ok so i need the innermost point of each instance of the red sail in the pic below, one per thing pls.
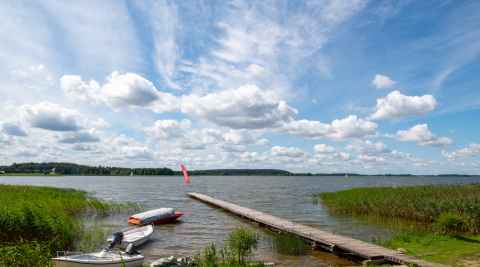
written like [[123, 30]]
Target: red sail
[[186, 178]]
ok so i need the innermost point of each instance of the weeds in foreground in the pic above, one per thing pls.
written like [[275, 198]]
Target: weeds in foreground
[[448, 209], [35, 222], [240, 245], [289, 244]]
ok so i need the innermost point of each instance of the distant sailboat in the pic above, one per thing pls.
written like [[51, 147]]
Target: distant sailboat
[[131, 173]]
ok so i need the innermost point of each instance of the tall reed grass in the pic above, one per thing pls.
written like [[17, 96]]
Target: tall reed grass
[[35, 222], [240, 244], [446, 208]]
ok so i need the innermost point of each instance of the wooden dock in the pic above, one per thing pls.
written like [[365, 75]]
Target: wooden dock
[[335, 243]]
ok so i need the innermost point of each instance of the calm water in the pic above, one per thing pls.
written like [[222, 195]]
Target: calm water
[[287, 197]]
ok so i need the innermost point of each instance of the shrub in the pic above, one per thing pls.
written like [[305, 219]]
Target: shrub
[[419, 204], [242, 242], [239, 245], [450, 224], [289, 244]]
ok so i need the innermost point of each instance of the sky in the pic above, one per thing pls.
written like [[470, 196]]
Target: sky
[[307, 86]]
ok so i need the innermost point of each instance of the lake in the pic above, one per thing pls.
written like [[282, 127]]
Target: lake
[[287, 197]]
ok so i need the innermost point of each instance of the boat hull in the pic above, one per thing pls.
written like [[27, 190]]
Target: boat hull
[[103, 259], [58, 263], [64, 263], [165, 220], [136, 236]]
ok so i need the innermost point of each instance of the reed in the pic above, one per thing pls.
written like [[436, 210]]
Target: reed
[[35, 222], [240, 244], [445, 208], [289, 244]]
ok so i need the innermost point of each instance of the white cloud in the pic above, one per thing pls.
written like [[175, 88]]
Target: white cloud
[[368, 147], [256, 43], [422, 136], [163, 26], [74, 86], [247, 107], [472, 150], [79, 137], [307, 128], [396, 105], [121, 91], [382, 81], [49, 116], [166, 129], [351, 127], [371, 159], [292, 152], [13, 129], [323, 149], [339, 129]]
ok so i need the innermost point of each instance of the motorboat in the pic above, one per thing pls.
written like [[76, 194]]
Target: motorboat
[[157, 216], [103, 258], [108, 257], [136, 236]]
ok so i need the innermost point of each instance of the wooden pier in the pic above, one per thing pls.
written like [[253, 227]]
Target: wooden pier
[[335, 243]]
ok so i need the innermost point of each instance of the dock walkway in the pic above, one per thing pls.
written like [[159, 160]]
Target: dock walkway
[[326, 240]]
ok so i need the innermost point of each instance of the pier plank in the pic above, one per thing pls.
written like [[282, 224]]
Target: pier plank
[[349, 245]]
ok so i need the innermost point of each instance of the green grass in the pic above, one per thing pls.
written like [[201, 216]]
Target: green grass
[[445, 249], [29, 174], [419, 204], [35, 222], [289, 244], [240, 244], [439, 223]]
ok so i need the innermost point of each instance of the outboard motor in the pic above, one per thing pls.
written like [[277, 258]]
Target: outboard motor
[[130, 250], [116, 240]]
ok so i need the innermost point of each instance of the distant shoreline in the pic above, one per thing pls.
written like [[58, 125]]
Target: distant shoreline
[[72, 169]]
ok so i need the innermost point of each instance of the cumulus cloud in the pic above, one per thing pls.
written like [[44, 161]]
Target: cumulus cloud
[[121, 91], [382, 81], [292, 152], [53, 117], [370, 158], [339, 129], [350, 127], [368, 147], [397, 105], [422, 136], [472, 150], [79, 137], [13, 130], [323, 149], [74, 86], [166, 129], [325, 152], [247, 107]]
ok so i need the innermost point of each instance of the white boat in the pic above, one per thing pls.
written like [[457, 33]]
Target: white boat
[[157, 216], [103, 258], [136, 236]]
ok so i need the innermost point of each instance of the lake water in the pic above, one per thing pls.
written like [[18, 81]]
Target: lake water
[[287, 197]]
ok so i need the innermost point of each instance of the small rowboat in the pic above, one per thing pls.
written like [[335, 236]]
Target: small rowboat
[[103, 258], [158, 216], [136, 236]]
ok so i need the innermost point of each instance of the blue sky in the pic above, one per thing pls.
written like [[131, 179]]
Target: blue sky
[[321, 86]]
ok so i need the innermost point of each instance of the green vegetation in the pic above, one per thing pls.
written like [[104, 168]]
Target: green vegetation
[[240, 245], [75, 169], [433, 205], [451, 250], [289, 244], [35, 222], [443, 220]]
